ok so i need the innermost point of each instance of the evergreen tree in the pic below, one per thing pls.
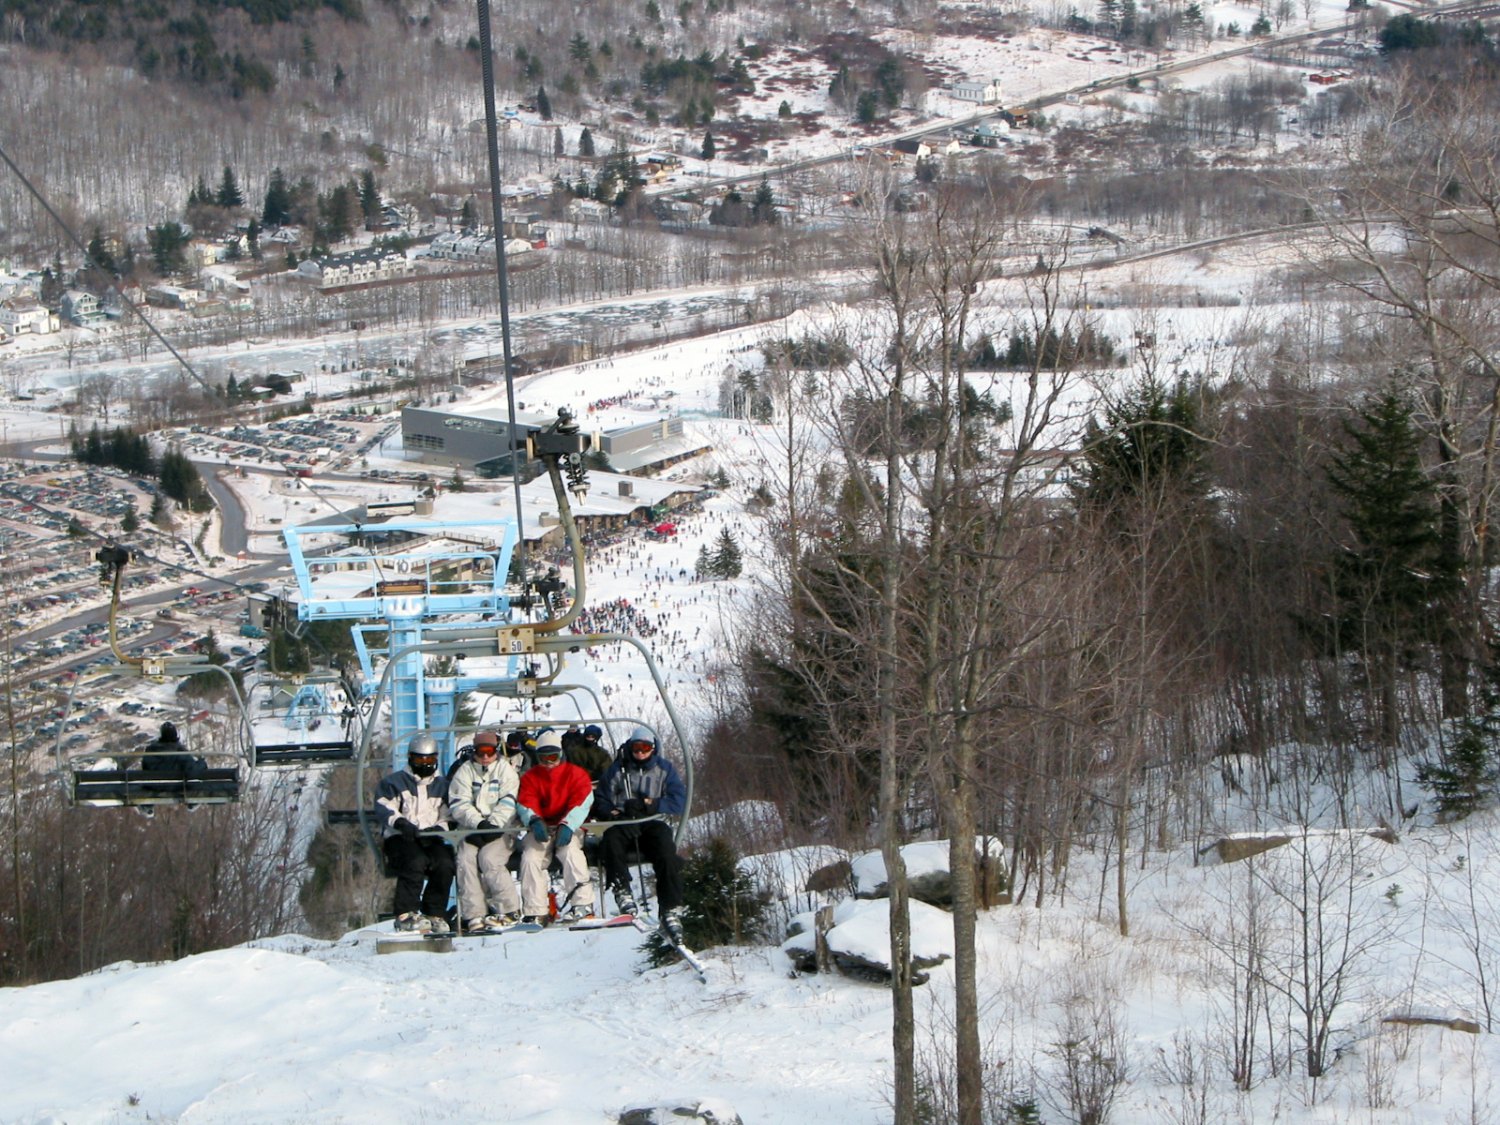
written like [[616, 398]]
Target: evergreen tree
[[728, 562], [720, 903], [1407, 32], [840, 87], [179, 480], [100, 255], [252, 236], [704, 567], [131, 523], [93, 448], [1148, 441], [543, 104], [557, 143], [891, 82], [1391, 575], [53, 284], [160, 515], [710, 147], [763, 206], [1466, 775], [336, 212], [168, 244], [585, 142], [277, 210], [228, 194], [369, 195]]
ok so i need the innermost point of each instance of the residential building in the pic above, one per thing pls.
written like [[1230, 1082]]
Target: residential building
[[26, 314], [358, 267], [982, 93], [171, 297], [83, 309]]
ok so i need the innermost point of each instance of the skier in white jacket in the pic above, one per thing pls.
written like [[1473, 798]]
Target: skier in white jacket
[[482, 794]]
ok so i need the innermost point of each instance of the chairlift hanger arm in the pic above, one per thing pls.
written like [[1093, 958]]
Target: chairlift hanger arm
[[661, 689], [561, 449], [112, 559]]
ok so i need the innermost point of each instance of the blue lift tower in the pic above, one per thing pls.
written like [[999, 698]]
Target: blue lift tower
[[406, 586], [416, 590]]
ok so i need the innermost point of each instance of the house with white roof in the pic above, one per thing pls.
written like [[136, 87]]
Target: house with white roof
[[26, 314]]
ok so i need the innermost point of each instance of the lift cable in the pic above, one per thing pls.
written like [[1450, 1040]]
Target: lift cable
[[113, 284], [502, 276]]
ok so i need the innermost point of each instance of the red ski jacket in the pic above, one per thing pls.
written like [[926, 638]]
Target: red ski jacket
[[557, 793]]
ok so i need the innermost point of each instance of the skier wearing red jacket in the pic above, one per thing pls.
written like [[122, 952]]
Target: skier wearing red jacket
[[552, 803]]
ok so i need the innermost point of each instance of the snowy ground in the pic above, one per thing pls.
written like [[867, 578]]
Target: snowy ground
[[568, 1028]]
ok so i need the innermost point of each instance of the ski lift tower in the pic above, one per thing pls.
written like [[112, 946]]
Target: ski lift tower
[[424, 582]]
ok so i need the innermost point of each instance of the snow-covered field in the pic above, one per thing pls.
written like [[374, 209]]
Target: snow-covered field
[[570, 1028]]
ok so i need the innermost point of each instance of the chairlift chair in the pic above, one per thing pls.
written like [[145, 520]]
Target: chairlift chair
[[307, 710], [129, 778], [99, 779], [132, 787]]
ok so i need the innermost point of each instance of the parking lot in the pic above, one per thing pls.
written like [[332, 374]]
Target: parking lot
[[308, 440]]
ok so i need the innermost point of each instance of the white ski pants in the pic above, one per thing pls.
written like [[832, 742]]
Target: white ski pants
[[537, 857], [485, 885]]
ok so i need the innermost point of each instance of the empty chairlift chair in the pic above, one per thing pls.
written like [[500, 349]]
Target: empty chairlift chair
[[298, 738]]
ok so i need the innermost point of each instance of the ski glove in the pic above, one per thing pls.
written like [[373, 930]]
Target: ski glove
[[406, 828], [539, 830], [487, 824], [635, 808], [564, 835]]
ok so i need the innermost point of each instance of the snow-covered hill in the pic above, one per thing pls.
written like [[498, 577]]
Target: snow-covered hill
[[570, 1028]]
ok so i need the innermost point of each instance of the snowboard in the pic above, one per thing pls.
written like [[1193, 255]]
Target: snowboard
[[604, 923], [513, 928]]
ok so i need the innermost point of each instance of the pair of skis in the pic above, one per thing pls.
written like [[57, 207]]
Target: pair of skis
[[647, 926]]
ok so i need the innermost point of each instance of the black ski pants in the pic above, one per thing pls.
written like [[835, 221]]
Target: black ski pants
[[427, 859], [653, 839]]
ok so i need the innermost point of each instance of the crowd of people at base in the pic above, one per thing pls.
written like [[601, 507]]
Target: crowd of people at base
[[525, 808]]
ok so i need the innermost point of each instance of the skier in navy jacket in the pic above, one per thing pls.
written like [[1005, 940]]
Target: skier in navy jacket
[[643, 784]]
